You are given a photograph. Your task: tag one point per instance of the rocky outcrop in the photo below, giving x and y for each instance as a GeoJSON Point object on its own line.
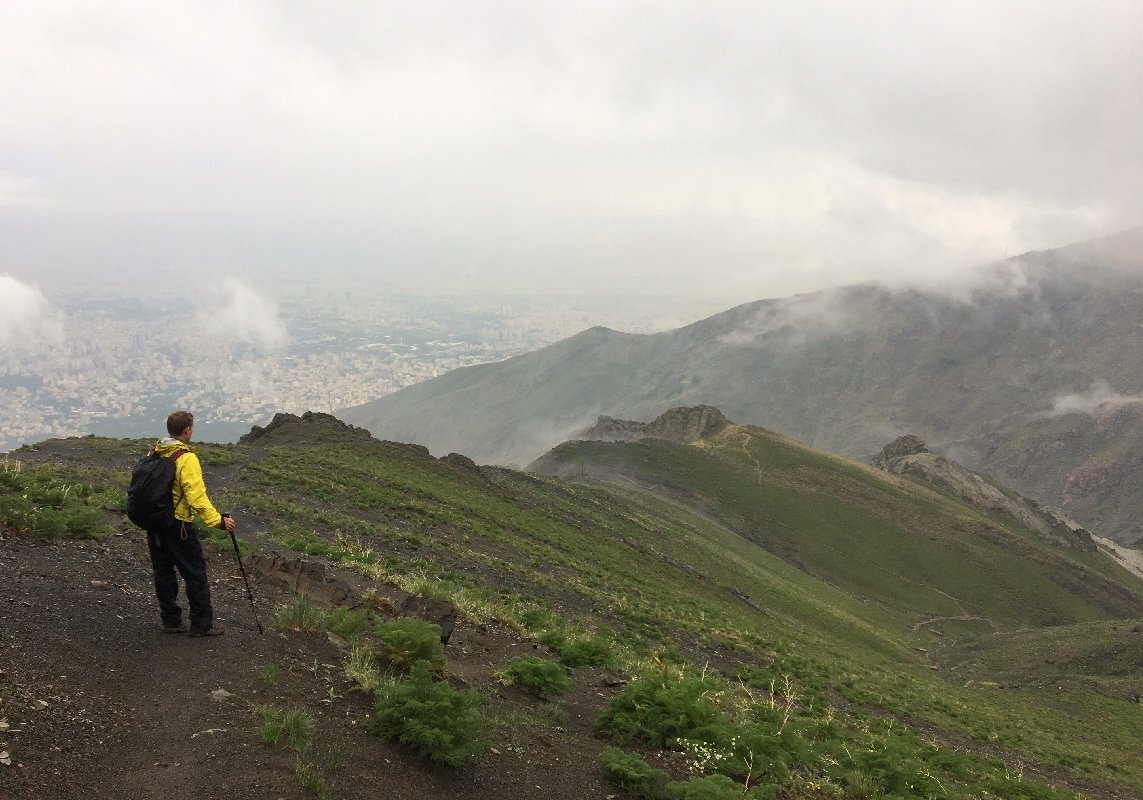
{"type": "Point", "coordinates": [908, 455]}
{"type": "Point", "coordinates": [310, 419]}
{"type": "Point", "coordinates": [899, 448]}
{"type": "Point", "coordinates": [683, 425]}
{"type": "Point", "coordinates": [461, 462]}
{"type": "Point", "coordinates": [303, 576]}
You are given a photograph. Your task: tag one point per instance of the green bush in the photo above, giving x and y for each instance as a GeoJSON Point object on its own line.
{"type": "Point", "coordinates": [710, 787]}
{"type": "Point", "coordinates": [436, 721]}
{"type": "Point", "coordinates": [408, 640]}
{"type": "Point", "coordinates": [661, 708]}
{"type": "Point", "coordinates": [543, 678]}
{"type": "Point", "coordinates": [578, 652]}
{"type": "Point", "coordinates": [39, 506]}
{"type": "Point", "coordinates": [300, 614]}
{"type": "Point", "coordinates": [765, 751]}
{"type": "Point", "coordinates": [632, 774]}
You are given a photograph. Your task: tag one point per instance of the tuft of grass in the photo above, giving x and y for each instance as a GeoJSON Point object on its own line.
{"type": "Point", "coordinates": [361, 668]}
{"type": "Point", "coordinates": [344, 622]}
{"type": "Point", "coordinates": [294, 729]}
{"type": "Point", "coordinates": [312, 775]}
{"type": "Point", "coordinates": [300, 614]}
{"type": "Point", "coordinates": [269, 674]}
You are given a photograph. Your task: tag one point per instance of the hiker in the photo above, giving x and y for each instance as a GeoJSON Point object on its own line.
{"type": "Point", "coordinates": [177, 546]}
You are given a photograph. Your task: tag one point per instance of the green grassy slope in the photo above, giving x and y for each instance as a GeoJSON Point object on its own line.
{"type": "Point", "coordinates": [751, 559]}
{"type": "Point", "coordinates": [875, 536]}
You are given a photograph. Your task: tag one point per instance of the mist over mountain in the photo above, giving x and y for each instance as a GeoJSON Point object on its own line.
{"type": "Point", "coordinates": [1032, 373]}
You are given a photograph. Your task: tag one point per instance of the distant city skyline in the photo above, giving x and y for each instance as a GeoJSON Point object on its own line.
{"type": "Point", "coordinates": [113, 367]}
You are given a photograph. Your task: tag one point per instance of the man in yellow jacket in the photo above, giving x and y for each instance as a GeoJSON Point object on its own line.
{"type": "Point", "coordinates": [178, 547]}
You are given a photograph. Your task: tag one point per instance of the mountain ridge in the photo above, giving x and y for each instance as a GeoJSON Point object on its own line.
{"type": "Point", "coordinates": [861, 627]}
{"type": "Point", "coordinates": [848, 369]}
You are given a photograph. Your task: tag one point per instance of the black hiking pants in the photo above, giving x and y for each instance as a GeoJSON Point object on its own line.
{"type": "Point", "coordinates": [178, 548]}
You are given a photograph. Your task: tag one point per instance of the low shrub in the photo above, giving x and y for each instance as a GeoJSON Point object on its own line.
{"type": "Point", "coordinates": [37, 505]}
{"type": "Point", "coordinates": [710, 787]}
{"type": "Point", "coordinates": [436, 721]}
{"type": "Point", "coordinates": [576, 652]}
{"type": "Point", "coordinates": [632, 774]}
{"type": "Point", "coordinates": [543, 678]}
{"type": "Point", "coordinates": [407, 640]}
{"type": "Point", "coordinates": [661, 708]}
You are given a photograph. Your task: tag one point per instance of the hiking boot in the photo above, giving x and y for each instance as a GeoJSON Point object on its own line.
{"type": "Point", "coordinates": [212, 631]}
{"type": "Point", "coordinates": [180, 628]}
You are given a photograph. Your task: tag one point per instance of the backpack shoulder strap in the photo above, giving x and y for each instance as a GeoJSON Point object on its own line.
{"type": "Point", "coordinates": [174, 457]}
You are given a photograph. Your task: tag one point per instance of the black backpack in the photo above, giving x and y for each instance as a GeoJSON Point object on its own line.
{"type": "Point", "coordinates": [149, 501]}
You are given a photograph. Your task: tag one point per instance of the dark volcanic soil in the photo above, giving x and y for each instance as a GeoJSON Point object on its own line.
{"type": "Point", "coordinates": [95, 701]}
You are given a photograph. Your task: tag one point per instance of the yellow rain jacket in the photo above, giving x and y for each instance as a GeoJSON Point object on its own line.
{"type": "Point", "coordinates": [189, 491]}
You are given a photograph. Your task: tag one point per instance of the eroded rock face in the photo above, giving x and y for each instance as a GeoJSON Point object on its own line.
{"type": "Point", "coordinates": [685, 424]}
{"type": "Point", "coordinates": [321, 583]}
{"type": "Point", "coordinates": [304, 576]}
{"type": "Point", "coordinates": [908, 455]}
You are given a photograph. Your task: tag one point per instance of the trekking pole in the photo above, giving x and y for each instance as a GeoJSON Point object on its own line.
{"type": "Point", "coordinates": [249, 594]}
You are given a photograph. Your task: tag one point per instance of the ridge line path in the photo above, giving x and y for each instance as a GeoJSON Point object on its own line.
{"type": "Point", "coordinates": [96, 701]}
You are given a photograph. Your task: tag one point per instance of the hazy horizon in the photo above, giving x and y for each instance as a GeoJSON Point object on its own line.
{"type": "Point", "coordinates": [727, 151]}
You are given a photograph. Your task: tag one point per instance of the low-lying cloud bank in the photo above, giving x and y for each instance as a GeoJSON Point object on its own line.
{"type": "Point", "coordinates": [1100, 397]}
{"type": "Point", "coordinates": [242, 314]}
{"type": "Point", "coordinates": [26, 317]}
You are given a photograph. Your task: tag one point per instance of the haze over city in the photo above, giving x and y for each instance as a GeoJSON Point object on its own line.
{"type": "Point", "coordinates": [212, 162]}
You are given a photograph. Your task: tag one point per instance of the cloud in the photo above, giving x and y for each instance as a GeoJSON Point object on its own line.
{"type": "Point", "coordinates": [516, 146]}
{"type": "Point", "coordinates": [1100, 397]}
{"type": "Point", "coordinates": [244, 315]}
{"type": "Point", "coordinates": [26, 319]}
{"type": "Point", "coordinates": [20, 192]}
{"type": "Point", "coordinates": [794, 322]}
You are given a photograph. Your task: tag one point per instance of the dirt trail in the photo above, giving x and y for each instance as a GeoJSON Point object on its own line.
{"type": "Point", "coordinates": [96, 701]}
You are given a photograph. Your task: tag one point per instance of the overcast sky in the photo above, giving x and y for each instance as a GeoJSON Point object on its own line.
{"type": "Point", "coordinates": [729, 150]}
